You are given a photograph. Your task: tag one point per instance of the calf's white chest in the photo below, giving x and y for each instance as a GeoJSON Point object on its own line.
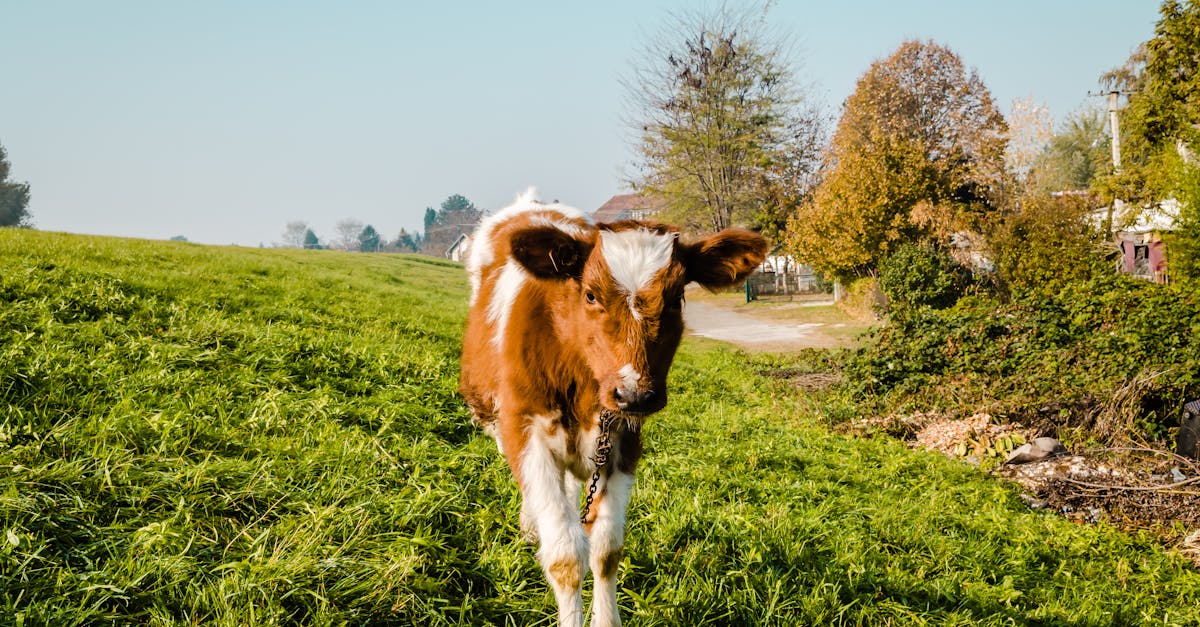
{"type": "Point", "coordinates": [571, 449]}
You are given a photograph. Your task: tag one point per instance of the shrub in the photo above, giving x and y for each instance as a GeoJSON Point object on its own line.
{"type": "Point", "coordinates": [1047, 243]}
{"type": "Point", "coordinates": [1184, 243]}
{"type": "Point", "coordinates": [921, 276]}
{"type": "Point", "coordinates": [862, 300]}
{"type": "Point", "coordinates": [1110, 358]}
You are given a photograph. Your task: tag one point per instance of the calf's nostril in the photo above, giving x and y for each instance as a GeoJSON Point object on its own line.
{"type": "Point", "coordinates": [646, 398]}
{"type": "Point", "coordinates": [634, 400]}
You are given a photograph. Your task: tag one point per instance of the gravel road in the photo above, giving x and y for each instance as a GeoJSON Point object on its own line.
{"type": "Point", "coordinates": [706, 320]}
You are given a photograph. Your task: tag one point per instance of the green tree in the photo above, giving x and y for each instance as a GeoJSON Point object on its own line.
{"type": "Point", "coordinates": [1168, 107]}
{"type": "Point", "coordinates": [456, 210]}
{"type": "Point", "coordinates": [918, 155]}
{"type": "Point", "coordinates": [14, 197]}
{"type": "Point", "coordinates": [1162, 120]}
{"type": "Point", "coordinates": [725, 136]}
{"type": "Point", "coordinates": [311, 241]}
{"type": "Point", "coordinates": [1130, 76]}
{"type": "Point", "coordinates": [406, 241]}
{"type": "Point", "coordinates": [369, 240]}
{"type": "Point", "coordinates": [456, 216]}
{"type": "Point", "coordinates": [1160, 129]}
{"type": "Point", "coordinates": [1074, 157]}
{"type": "Point", "coordinates": [1047, 242]}
{"type": "Point", "coordinates": [1184, 243]}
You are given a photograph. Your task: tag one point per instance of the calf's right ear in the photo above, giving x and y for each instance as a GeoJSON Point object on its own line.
{"type": "Point", "coordinates": [547, 252]}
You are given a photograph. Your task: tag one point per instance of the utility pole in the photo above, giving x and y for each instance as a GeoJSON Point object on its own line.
{"type": "Point", "coordinates": [1116, 128]}
{"type": "Point", "coordinates": [1114, 97]}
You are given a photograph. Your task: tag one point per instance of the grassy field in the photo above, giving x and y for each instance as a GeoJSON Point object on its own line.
{"type": "Point", "coordinates": [231, 436]}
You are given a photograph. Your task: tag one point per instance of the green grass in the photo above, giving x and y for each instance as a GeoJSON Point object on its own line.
{"type": "Point", "coordinates": [233, 436]}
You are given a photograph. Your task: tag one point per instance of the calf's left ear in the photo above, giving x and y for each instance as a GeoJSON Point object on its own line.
{"type": "Point", "coordinates": [550, 253]}
{"type": "Point", "coordinates": [721, 260]}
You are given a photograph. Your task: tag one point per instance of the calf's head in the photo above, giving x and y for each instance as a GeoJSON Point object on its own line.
{"type": "Point", "coordinates": [620, 289]}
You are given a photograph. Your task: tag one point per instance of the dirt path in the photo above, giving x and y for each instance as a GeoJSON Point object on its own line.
{"type": "Point", "coordinates": [707, 320]}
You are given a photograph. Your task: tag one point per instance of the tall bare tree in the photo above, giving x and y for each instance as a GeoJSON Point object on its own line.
{"type": "Point", "coordinates": [293, 234]}
{"type": "Point", "coordinates": [724, 134]}
{"type": "Point", "coordinates": [1030, 128]}
{"type": "Point", "coordinates": [347, 234]}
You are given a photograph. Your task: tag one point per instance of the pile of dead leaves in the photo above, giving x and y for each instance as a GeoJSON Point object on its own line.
{"type": "Point", "coordinates": [975, 438]}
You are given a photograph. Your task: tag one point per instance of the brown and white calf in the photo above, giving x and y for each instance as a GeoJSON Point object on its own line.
{"type": "Point", "coordinates": [569, 320]}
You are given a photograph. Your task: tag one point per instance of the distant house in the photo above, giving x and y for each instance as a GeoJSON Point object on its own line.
{"type": "Point", "coordinates": [1140, 238]}
{"type": "Point", "coordinates": [461, 247]}
{"type": "Point", "coordinates": [780, 275]}
{"type": "Point", "coordinates": [628, 207]}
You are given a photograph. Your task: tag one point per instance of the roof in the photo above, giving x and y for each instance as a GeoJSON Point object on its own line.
{"type": "Point", "coordinates": [463, 239]}
{"type": "Point", "coordinates": [1146, 218]}
{"type": "Point", "coordinates": [1160, 216]}
{"type": "Point", "coordinates": [623, 206]}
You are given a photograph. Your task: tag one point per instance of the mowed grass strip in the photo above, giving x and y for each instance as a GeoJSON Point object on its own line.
{"type": "Point", "coordinates": [231, 436]}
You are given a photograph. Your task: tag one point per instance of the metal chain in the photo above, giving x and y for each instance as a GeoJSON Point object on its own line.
{"type": "Point", "coordinates": [603, 447]}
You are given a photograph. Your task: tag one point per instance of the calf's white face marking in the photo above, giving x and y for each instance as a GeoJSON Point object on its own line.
{"type": "Point", "coordinates": [629, 378]}
{"type": "Point", "coordinates": [634, 257]}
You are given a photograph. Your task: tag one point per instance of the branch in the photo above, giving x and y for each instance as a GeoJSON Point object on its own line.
{"type": "Point", "coordinates": [1132, 488]}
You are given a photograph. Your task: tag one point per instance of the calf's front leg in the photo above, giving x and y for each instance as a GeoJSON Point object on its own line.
{"type": "Point", "coordinates": [607, 544]}
{"type": "Point", "coordinates": [563, 550]}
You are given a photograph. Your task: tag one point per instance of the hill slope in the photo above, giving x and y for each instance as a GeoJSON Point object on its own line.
{"type": "Point", "coordinates": [241, 436]}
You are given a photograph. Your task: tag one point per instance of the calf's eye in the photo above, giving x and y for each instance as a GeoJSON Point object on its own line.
{"type": "Point", "coordinates": [591, 298]}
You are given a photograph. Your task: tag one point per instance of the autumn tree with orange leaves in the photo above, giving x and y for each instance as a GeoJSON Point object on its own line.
{"type": "Point", "coordinates": [918, 155]}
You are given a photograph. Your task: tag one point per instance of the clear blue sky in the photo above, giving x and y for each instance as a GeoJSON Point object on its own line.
{"type": "Point", "coordinates": [222, 120]}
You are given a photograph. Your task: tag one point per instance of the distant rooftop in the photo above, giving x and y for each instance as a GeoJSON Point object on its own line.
{"type": "Point", "coordinates": [627, 207]}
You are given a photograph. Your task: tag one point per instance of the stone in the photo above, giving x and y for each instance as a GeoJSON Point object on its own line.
{"type": "Point", "coordinates": [1037, 450]}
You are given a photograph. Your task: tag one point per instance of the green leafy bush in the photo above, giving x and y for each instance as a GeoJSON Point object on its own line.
{"type": "Point", "coordinates": [1046, 243]}
{"type": "Point", "coordinates": [1109, 358]}
{"type": "Point", "coordinates": [920, 276]}
{"type": "Point", "coordinates": [1184, 243]}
